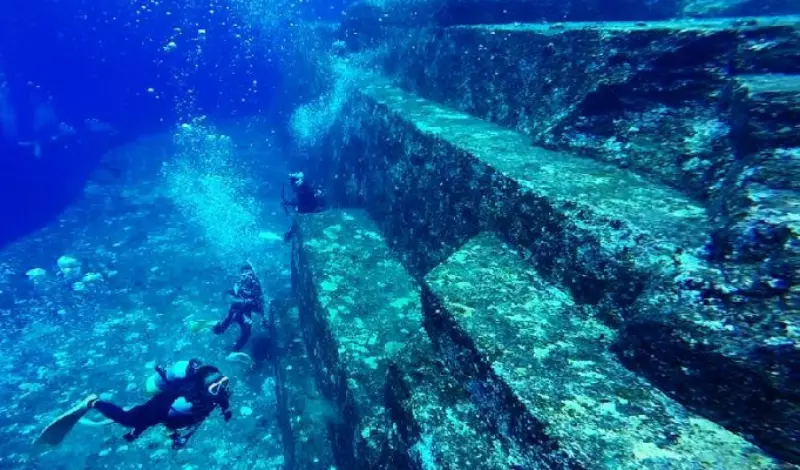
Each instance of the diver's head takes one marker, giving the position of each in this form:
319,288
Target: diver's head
296,179
247,268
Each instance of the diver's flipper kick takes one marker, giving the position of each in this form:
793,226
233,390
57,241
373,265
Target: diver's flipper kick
57,430
182,397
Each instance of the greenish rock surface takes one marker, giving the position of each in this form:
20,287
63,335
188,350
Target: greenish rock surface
641,96
433,177
622,163
644,168
539,363
436,423
591,226
372,360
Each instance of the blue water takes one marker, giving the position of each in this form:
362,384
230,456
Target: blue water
98,61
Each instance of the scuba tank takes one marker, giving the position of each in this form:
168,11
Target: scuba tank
175,379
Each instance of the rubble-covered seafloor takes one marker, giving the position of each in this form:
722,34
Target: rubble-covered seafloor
134,270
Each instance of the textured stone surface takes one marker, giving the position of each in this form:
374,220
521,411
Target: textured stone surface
303,415
759,226
373,361
365,16
527,352
437,425
444,175
351,307
433,177
627,111
643,96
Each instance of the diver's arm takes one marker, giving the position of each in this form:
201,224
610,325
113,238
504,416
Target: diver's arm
224,403
179,441
134,433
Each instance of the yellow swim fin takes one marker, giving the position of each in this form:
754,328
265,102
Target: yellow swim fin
196,326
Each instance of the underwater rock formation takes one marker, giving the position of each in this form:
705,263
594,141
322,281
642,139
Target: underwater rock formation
363,327
643,169
538,362
367,16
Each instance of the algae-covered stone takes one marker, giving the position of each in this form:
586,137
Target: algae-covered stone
350,355
69,267
626,245
375,363
578,398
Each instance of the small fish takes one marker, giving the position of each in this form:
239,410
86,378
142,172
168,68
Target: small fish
239,357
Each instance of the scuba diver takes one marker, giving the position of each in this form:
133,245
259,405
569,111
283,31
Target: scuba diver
184,395
248,298
307,199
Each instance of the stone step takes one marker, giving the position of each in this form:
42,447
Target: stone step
438,426
433,177
440,176
535,362
639,95
766,110
362,322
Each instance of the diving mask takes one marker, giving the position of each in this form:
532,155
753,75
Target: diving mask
218,386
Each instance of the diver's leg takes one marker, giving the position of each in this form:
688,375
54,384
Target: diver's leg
118,415
245,329
222,326
139,417
288,235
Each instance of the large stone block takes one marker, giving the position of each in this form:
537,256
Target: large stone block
433,177
538,363
302,413
362,320
438,426
357,308
641,96
766,111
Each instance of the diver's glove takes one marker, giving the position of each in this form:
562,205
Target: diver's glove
131,436
227,415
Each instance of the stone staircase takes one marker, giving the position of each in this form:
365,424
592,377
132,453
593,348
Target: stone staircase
362,323
530,356
569,289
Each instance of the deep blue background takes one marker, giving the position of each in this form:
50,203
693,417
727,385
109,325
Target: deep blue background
97,60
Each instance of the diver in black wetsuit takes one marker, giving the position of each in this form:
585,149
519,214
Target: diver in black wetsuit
306,200
248,298
185,395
